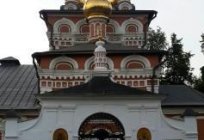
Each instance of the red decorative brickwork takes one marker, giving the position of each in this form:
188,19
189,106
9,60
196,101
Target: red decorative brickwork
200,127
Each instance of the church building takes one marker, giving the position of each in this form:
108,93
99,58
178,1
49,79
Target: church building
97,81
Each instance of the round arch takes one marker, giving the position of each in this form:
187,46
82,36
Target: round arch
116,25
144,134
60,134
90,61
140,58
63,59
64,21
79,24
132,21
101,126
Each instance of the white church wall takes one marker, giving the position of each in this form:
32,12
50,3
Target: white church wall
132,113
11,128
190,127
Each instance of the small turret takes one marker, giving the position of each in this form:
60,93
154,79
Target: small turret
100,59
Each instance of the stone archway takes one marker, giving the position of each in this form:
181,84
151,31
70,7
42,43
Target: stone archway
101,126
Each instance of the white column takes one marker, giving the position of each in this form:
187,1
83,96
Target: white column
190,127
11,129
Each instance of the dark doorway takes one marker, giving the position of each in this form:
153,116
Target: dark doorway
101,126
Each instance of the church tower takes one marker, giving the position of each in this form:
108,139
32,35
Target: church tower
98,81
73,32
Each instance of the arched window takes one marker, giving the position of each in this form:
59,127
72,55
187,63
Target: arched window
131,29
60,134
134,64
101,126
144,134
64,28
63,25
110,29
84,29
98,29
64,66
63,63
132,25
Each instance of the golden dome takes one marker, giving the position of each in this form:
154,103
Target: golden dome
113,2
97,8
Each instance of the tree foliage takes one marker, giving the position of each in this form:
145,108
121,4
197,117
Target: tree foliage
199,83
178,69
156,39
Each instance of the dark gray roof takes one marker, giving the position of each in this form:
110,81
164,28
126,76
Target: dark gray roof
18,87
89,49
100,86
9,61
181,95
151,13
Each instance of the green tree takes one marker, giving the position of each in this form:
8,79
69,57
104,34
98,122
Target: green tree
156,39
199,83
177,69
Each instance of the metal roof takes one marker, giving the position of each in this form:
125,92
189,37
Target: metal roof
151,13
110,48
181,95
100,86
9,61
18,87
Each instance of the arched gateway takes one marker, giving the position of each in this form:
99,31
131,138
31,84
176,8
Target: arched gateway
101,126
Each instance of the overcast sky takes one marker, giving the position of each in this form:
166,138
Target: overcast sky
22,32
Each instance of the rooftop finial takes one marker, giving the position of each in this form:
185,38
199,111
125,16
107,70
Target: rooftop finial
100,60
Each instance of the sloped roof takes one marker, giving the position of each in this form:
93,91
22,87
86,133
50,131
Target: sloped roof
18,87
100,86
181,95
151,13
9,61
88,48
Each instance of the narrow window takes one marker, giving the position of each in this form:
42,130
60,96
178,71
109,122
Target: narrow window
60,134
143,134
